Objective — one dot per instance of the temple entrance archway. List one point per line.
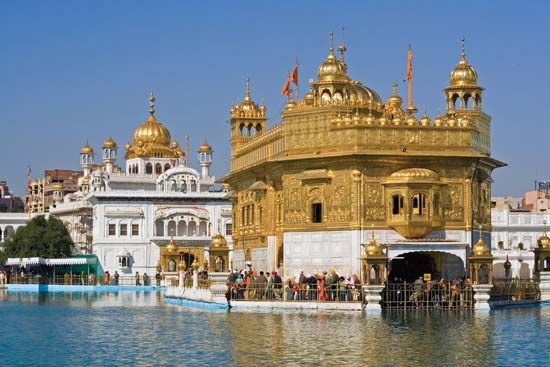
(410, 266)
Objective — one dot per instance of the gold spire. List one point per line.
(331, 50)
(463, 53)
(480, 248)
(152, 103)
(373, 248)
(247, 91)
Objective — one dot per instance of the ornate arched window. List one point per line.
(149, 169)
(158, 168)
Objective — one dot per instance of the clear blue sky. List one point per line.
(72, 71)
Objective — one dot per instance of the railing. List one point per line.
(295, 293)
(79, 279)
(430, 295)
(515, 290)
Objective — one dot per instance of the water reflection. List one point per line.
(139, 329)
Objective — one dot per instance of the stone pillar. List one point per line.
(373, 296)
(481, 296)
(544, 286)
(195, 279)
(181, 278)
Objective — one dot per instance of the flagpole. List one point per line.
(297, 93)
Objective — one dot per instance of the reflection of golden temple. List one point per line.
(342, 159)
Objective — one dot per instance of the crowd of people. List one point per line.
(325, 286)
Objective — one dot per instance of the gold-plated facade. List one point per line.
(341, 159)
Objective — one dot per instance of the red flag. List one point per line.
(409, 65)
(286, 87)
(294, 75)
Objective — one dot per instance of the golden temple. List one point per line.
(342, 160)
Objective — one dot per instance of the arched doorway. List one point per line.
(440, 265)
(410, 266)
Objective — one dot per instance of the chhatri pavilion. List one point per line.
(342, 161)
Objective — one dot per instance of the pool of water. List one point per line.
(138, 328)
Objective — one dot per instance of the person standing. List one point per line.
(138, 278)
(116, 276)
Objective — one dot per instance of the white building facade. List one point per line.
(127, 214)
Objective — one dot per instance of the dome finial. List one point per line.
(151, 103)
(394, 90)
(247, 90)
(331, 50)
(462, 53)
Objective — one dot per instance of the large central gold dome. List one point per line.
(152, 131)
(152, 139)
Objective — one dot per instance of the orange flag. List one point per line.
(294, 75)
(286, 87)
(409, 64)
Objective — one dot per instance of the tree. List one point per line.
(40, 237)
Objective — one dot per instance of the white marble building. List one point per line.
(9, 222)
(136, 209)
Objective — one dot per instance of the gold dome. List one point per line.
(373, 248)
(332, 69)
(86, 180)
(425, 120)
(171, 247)
(247, 107)
(57, 186)
(205, 147)
(218, 241)
(87, 149)
(463, 75)
(152, 132)
(109, 143)
(415, 174)
(152, 138)
(480, 248)
(394, 102)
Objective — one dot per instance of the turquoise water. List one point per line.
(138, 328)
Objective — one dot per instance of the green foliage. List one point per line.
(40, 238)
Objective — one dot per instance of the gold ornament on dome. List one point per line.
(195, 264)
(218, 241)
(480, 248)
(544, 240)
(171, 247)
(205, 147)
(373, 248)
(87, 149)
(109, 143)
(152, 139)
(463, 75)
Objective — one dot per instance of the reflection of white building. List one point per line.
(137, 209)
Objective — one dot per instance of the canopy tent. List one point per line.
(77, 264)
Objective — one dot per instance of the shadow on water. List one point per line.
(138, 328)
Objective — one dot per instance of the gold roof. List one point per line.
(463, 75)
(109, 143)
(480, 248)
(152, 138)
(218, 241)
(373, 248)
(415, 173)
(58, 186)
(87, 149)
(394, 102)
(86, 180)
(333, 71)
(205, 147)
(247, 108)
